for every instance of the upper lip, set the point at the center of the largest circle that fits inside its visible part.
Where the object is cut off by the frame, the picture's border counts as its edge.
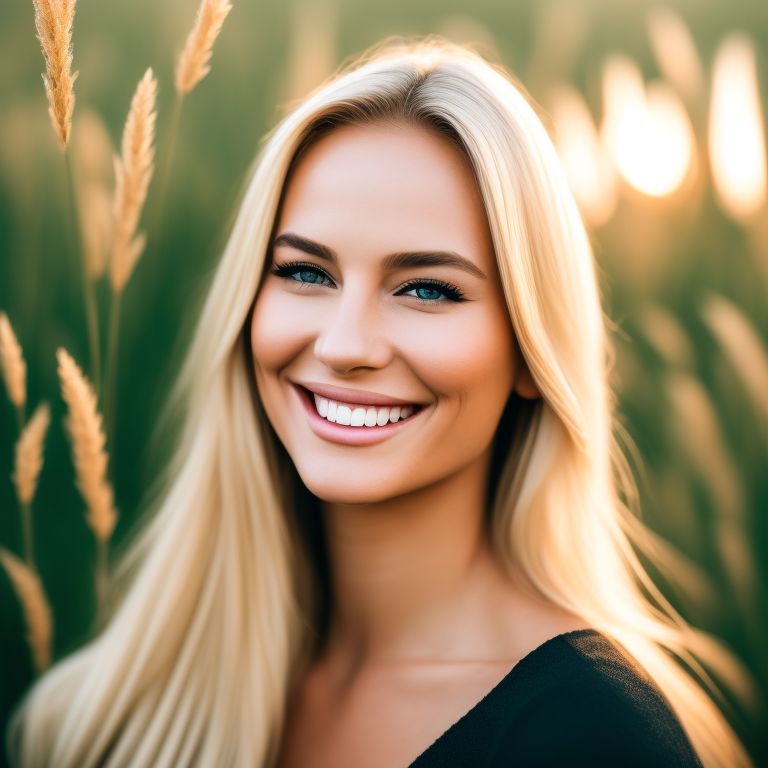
(357, 396)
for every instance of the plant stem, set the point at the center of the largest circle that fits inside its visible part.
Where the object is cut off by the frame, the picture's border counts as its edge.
(109, 384)
(26, 508)
(170, 147)
(101, 572)
(88, 287)
(26, 527)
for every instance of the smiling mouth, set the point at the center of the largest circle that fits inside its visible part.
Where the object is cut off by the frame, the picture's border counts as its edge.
(359, 416)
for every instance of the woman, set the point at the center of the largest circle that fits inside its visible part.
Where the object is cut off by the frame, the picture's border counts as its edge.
(392, 534)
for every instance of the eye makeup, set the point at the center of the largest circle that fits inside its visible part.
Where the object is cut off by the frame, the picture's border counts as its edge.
(290, 270)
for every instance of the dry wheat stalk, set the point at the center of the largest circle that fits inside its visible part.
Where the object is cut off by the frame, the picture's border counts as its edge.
(14, 367)
(133, 172)
(97, 223)
(29, 453)
(87, 437)
(53, 19)
(92, 149)
(37, 613)
(741, 344)
(193, 63)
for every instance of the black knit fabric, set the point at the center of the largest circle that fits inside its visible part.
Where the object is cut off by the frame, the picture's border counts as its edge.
(576, 700)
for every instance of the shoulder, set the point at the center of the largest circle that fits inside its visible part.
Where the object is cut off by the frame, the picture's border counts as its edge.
(583, 701)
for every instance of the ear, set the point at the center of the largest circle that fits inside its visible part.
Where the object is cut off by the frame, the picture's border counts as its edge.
(524, 385)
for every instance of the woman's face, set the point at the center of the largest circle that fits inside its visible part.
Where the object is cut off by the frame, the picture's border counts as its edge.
(383, 289)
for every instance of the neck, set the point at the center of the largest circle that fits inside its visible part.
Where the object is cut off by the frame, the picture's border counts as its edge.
(400, 569)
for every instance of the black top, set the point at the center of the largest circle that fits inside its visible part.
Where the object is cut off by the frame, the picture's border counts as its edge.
(574, 701)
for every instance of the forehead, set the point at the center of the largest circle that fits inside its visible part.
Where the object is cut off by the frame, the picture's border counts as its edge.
(381, 188)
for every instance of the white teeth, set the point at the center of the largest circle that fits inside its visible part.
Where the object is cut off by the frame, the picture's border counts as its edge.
(357, 415)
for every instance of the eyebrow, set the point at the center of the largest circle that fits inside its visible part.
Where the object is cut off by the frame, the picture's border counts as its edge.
(399, 260)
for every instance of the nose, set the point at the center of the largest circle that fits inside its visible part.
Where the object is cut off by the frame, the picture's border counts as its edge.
(352, 335)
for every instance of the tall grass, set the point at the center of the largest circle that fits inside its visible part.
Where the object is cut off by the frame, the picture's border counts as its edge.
(106, 235)
(692, 427)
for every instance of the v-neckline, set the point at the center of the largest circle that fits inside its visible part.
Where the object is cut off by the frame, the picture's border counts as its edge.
(493, 692)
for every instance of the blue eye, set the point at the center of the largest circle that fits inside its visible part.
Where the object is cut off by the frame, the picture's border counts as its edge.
(307, 276)
(429, 291)
(426, 291)
(300, 273)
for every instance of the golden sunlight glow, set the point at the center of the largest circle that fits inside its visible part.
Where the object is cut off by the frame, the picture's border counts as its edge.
(675, 51)
(647, 131)
(589, 169)
(736, 143)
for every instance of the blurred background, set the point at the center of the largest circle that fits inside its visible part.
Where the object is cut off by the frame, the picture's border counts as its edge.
(658, 112)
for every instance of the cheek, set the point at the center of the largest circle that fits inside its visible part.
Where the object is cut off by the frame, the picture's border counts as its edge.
(275, 335)
(469, 355)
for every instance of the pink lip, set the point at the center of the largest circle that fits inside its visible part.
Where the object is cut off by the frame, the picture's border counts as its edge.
(339, 433)
(352, 396)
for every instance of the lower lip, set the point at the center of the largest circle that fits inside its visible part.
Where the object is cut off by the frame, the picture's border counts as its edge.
(340, 433)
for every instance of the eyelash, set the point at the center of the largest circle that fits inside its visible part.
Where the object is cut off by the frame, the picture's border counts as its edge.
(452, 292)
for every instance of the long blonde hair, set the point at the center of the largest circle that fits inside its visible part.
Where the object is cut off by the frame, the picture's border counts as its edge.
(222, 595)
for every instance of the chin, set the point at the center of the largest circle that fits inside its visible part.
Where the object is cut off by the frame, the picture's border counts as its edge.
(333, 488)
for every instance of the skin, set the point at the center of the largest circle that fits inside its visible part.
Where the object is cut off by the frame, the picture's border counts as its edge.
(414, 584)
